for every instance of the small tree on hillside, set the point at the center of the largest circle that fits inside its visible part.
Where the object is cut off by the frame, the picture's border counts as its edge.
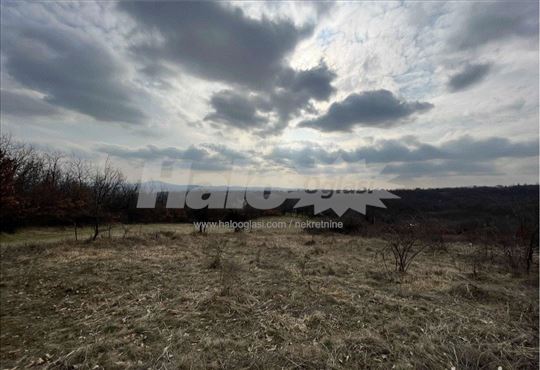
(405, 243)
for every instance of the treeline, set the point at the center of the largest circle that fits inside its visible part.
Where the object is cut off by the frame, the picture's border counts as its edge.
(42, 188)
(465, 211)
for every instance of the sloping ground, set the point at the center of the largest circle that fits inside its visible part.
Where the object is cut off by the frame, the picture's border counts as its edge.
(258, 300)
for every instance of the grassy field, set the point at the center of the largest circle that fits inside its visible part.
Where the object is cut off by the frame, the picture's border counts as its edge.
(56, 234)
(164, 297)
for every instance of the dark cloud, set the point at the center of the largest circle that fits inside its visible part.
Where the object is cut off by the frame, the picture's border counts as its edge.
(409, 152)
(72, 71)
(490, 21)
(387, 151)
(208, 157)
(406, 157)
(215, 41)
(235, 110)
(465, 148)
(314, 82)
(471, 74)
(151, 152)
(218, 42)
(156, 75)
(292, 94)
(379, 108)
(23, 105)
(295, 90)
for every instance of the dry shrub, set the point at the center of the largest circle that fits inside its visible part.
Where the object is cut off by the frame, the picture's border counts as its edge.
(228, 268)
(405, 244)
(518, 251)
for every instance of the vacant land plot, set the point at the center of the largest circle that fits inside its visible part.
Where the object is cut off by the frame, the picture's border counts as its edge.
(261, 300)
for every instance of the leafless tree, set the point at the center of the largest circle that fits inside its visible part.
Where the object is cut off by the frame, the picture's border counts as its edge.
(105, 183)
(78, 174)
(405, 243)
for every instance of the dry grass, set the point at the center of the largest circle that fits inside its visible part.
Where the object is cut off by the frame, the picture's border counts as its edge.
(273, 301)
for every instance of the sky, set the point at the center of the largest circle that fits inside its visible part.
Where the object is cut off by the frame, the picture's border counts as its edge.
(388, 94)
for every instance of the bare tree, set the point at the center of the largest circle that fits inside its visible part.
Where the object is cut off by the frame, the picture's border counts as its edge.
(75, 191)
(405, 243)
(104, 184)
(517, 236)
(10, 209)
(78, 176)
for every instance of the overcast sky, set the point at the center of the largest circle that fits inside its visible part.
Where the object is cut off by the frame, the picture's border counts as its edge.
(413, 94)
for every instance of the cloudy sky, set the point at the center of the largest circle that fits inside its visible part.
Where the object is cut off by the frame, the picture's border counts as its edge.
(413, 94)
